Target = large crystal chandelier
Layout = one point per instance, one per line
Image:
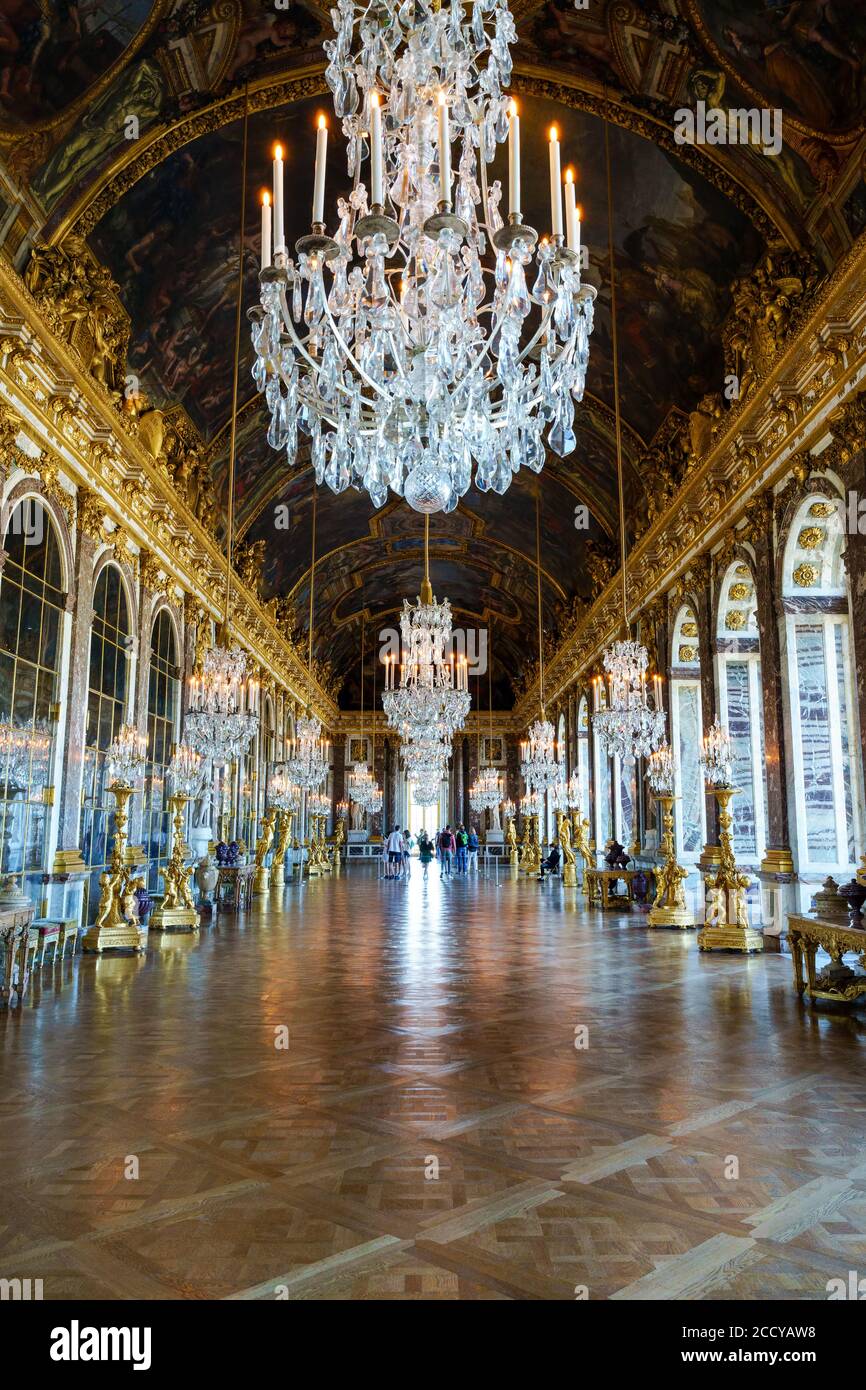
(362, 786)
(485, 794)
(432, 698)
(628, 726)
(282, 791)
(309, 754)
(422, 354)
(222, 711)
(538, 764)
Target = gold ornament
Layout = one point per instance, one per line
(806, 576)
(810, 537)
(736, 620)
(738, 592)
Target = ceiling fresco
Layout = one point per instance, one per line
(160, 206)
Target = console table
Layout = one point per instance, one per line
(600, 884)
(836, 982)
(14, 936)
(238, 880)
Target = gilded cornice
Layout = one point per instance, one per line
(74, 420)
(787, 413)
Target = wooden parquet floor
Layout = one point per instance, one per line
(430, 1130)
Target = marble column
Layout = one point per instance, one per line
(855, 563)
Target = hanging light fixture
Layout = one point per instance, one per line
(432, 697)
(716, 761)
(282, 791)
(222, 708)
(187, 771)
(423, 355)
(660, 770)
(127, 756)
(361, 786)
(310, 754)
(628, 726)
(485, 794)
(538, 764)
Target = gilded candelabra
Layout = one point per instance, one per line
(726, 920)
(278, 863)
(580, 832)
(261, 880)
(670, 908)
(339, 841)
(117, 922)
(177, 908)
(511, 842)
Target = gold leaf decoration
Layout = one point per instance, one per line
(811, 537)
(738, 592)
(821, 509)
(688, 653)
(689, 629)
(736, 620)
(806, 575)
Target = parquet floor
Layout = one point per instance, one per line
(430, 1130)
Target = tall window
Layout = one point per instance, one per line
(604, 821)
(826, 752)
(163, 702)
(686, 734)
(32, 604)
(741, 708)
(106, 708)
(583, 753)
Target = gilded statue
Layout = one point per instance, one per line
(569, 872)
(81, 302)
(177, 875)
(511, 841)
(110, 889)
(703, 423)
(266, 838)
(669, 884)
(715, 913)
(249, 560)
(764, 304)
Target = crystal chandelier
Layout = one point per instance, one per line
(485, 794)
(660, 770)
(531, 804)
(362, 786)
(423, 355)
(628, 726)
(559, 795)
(310, 754)
(187, 771)
(127, 754)
(715, 760)
(574, 792)
(282, 791)
(538, 764)
(222, 712)
(25, 751)
(432, 697)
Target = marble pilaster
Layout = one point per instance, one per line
(68, 856)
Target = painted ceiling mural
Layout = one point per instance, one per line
(159, 204)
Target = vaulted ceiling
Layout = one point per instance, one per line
(159, 199)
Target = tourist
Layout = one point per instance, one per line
(408, 844)
(551, 863)
(446, 852)
(462, 843)
(394, 846)
(425, 851)
(472, 850)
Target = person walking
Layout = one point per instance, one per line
(394, 847)
(462, 844)
(446, 852)
(472, 850)
(425, 851)
(407, 854)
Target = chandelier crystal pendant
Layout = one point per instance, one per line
(222, 711)
(432, 698)
(423, 355)
(485, 793)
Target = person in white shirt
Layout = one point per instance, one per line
(394, 848)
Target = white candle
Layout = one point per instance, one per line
(319, 182)
(279, 228)
(376, 150)
(444, 151)
(513, 158)
(266, 230)
(572, 216)
(555, 188)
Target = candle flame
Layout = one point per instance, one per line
(323, 121)
(554, 133)
(266, 199)
(443, 100)
(278, 151)
(374, 98)
(579, 211)
(569, 175)
(512, 107)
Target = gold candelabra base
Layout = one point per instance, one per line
(116, 927)
(670, 908)
(177, 911)
(726, 919)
